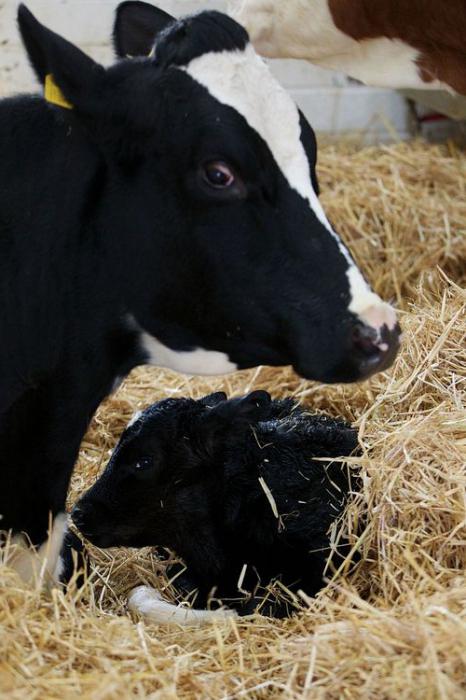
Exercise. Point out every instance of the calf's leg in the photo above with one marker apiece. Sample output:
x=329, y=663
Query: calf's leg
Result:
x=148, y=603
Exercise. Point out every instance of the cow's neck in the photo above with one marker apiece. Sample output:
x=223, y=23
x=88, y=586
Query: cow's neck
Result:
x=52, y=200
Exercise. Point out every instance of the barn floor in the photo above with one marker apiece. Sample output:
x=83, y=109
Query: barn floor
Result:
x=395, y=627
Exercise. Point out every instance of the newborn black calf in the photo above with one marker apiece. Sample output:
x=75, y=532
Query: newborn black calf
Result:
x=233, y=486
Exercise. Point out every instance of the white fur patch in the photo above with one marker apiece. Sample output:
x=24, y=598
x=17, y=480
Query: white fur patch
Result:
x=385, y=63
x=116, y=384
x=293, y=29
x=59, y=569
x=148, y=603
x=134, y=419
x=199, y=361
x=242, y=80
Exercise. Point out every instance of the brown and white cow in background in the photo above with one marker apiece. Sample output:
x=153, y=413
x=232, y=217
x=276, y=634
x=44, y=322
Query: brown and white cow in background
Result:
x=386, y=43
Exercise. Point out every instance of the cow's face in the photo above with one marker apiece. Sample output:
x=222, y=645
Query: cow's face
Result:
x=224, y=254
x=163, y=482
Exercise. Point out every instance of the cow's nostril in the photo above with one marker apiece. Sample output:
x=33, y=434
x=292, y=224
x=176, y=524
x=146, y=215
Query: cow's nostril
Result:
x=365, y=340
x=374, y=349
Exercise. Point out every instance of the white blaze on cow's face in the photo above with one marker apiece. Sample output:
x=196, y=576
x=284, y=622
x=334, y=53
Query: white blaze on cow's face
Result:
x=243, y=81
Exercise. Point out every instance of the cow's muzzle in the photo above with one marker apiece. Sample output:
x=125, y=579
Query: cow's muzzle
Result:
x=374, y=349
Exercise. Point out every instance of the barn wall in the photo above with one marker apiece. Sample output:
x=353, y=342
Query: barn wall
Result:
x=332, y=103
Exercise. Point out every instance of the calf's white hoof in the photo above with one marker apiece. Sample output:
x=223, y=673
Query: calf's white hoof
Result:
x=148, y=603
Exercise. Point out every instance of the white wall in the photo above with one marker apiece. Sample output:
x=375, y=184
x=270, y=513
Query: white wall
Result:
x=331, y=102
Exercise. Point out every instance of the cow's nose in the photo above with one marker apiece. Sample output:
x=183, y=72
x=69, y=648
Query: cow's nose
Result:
x=377, y=315
x=374, y=349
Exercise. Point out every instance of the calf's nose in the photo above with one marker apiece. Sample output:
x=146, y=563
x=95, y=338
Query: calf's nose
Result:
x=78, y=516
x=84, y=517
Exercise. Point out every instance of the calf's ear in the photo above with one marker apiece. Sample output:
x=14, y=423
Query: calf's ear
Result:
x=77, y=76
x=136, y=27
x=248, y=409
x=254, y=407
x=213, y=399
x=232, y=418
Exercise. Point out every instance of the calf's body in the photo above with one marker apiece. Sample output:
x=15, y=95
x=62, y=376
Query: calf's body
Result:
x=237, y=488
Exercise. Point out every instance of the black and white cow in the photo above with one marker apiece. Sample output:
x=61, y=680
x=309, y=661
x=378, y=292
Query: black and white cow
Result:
x=163, y=210
x=236, y=487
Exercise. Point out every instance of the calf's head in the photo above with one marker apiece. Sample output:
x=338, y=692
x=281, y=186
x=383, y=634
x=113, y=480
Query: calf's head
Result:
x=164, y=482
x=208, y=203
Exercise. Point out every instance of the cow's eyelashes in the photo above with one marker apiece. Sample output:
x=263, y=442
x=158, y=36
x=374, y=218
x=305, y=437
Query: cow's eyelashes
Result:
x=143, y=464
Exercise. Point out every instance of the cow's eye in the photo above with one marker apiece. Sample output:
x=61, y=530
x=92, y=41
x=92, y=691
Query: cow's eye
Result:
x=144, y=463
x=218, y=175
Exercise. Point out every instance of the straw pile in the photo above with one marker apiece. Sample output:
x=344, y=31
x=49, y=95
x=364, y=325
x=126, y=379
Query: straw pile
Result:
x=395, y=627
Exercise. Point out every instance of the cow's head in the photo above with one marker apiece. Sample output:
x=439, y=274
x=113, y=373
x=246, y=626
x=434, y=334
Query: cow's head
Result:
x=208, y=205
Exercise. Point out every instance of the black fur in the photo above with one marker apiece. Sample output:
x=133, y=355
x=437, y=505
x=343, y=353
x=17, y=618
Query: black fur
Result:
x=186, y=476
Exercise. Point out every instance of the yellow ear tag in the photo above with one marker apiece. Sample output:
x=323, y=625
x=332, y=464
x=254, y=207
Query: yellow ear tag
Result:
x=53, y=94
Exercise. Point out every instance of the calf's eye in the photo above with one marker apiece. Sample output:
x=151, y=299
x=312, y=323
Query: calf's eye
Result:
x=218, y=175
x=144, y=463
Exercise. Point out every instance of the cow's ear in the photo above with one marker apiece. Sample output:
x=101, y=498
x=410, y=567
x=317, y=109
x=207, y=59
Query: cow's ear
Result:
x=76, y=75
x=137, y=25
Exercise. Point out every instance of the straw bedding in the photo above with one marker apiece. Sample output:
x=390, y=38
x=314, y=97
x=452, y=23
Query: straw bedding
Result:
x=393, y=627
